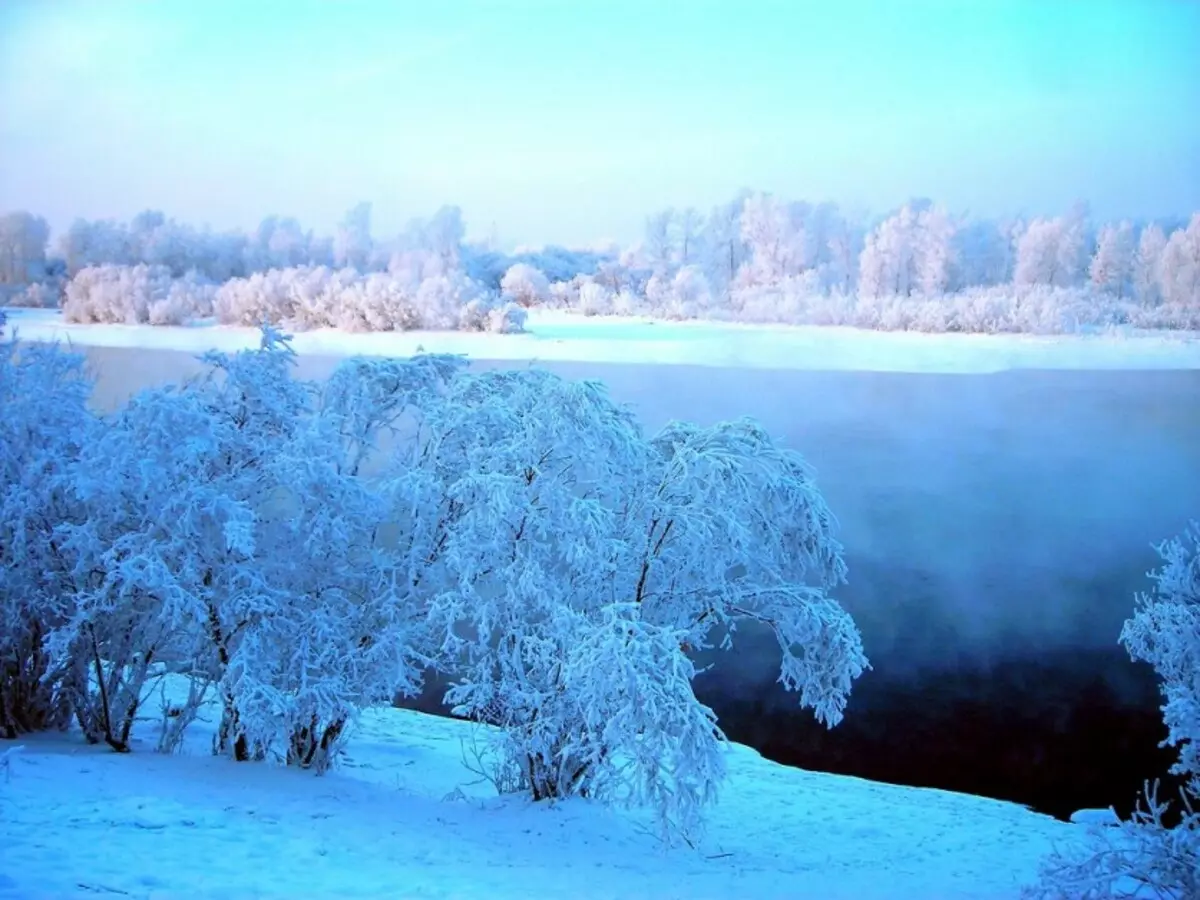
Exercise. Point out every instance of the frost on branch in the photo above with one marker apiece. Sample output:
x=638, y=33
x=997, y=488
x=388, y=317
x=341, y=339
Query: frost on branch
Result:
x=733, y=529
x=44, y=429
x=231, y=539
x=1145, y=857
x=585, y=562
x=1165, y=632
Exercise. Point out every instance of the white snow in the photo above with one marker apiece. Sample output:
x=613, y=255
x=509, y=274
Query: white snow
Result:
x=563, y=337
x=1106, y=817
x=404, y=817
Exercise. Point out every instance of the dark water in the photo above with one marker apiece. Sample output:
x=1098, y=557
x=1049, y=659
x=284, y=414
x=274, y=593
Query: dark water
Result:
x=997, y=528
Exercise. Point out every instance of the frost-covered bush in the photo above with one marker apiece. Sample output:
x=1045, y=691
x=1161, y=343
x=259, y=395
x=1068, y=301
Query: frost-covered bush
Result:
x=320, y=297
x=1165, y=632
x=585, y=563
x=595, y=299
x=804, y=300
x=1144, y=857
x=134, y=295
x=44, y=427
x=525, y=285
x=38, y=295
x=247, y=555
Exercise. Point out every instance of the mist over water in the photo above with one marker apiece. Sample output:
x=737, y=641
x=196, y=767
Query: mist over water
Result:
x=997, y=528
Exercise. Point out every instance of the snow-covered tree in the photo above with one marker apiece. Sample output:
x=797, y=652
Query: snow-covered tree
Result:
x=278, y=243
x=886, y=265
x=23, y=238
x=1051, y=252
x=595, y=299
x=983, y=252
x=1180, y=271
x=95, y=243
x=252, y=557
x=1147, y=265
x=1112, y=264
x=352, y=244
x=689, y=225
x=933, y=251
x=525, y=285
x=843, y=248
x=1143, y=857
x=585, y=563
x=133, y=295
x=725, y=251
x=659, y=244
x=691, y=295
x=777, y=239
x=44, y=428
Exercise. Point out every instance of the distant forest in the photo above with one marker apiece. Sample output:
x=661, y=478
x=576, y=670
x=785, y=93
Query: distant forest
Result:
x=757, y=258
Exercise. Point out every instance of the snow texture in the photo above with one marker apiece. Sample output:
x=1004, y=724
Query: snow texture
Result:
x=562, y=337
x=403, y=816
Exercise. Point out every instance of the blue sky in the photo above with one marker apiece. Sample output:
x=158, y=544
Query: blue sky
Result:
x=569, y=121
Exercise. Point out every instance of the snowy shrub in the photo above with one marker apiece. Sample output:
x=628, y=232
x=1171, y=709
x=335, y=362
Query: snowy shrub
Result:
x=344, y=628
x=1144, y=857
x=508, y=318
x=44, y=428
x=584, y=563
x=38, y=295
x=594, y=299
x=525, y=285
x=320, y=297
x=565, y=294
x=251, y=556
x=1165, y=632
x=262, y=297
x=133, y=295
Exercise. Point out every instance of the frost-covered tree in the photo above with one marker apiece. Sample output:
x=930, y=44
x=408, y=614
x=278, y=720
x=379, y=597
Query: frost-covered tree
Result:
x=933, y=251
x=352, y=244
x=279, y=243
x=585, y=563
x=23, y=238
x=689, y=225
x=1165, y=632
x=525, y=285
x=1144, y=857
x=252, y=557
x=132, y=295
x=95, y=243
x=1112, y=264
x=983, y=253
x=725, y=251
x=690, y=295
x=886, y=265
x=777, y=239
x=1180, y=271
x=43, y=430
x=1147, y=265
x=595, y=299
x=659, y=245
x=1051, y=252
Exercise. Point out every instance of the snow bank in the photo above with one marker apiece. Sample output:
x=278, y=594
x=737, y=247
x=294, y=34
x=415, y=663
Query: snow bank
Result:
x=562, y=337
x=405, y=817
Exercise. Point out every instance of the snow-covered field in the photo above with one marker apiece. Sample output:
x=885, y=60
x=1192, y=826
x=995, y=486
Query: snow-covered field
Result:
x=563, y=337
x=404, y=817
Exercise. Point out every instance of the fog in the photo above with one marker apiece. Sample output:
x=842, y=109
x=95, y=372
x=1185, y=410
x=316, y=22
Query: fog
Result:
x=996, y=528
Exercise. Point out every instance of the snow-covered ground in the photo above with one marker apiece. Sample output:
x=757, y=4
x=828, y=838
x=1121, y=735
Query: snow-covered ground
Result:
x=404, y=817
x=563, y=337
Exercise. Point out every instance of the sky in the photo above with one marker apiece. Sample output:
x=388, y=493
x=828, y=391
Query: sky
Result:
x=569, y=122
